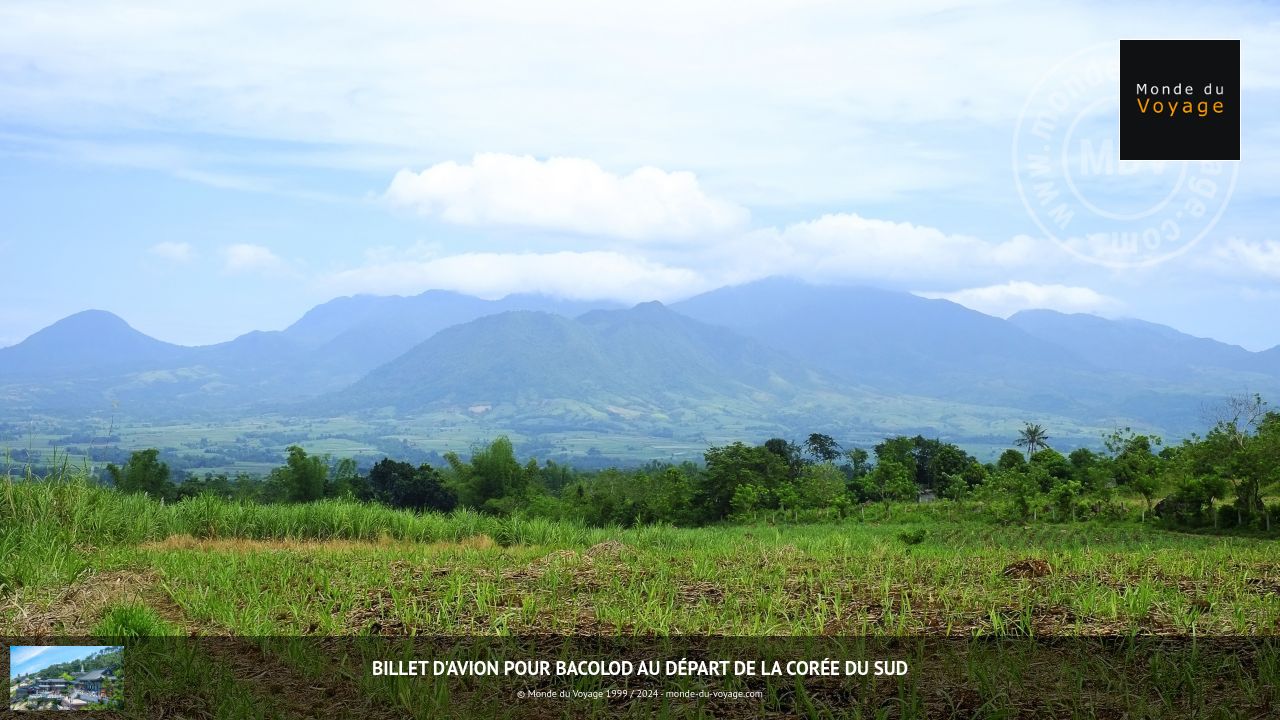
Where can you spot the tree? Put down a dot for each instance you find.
(1011, 460)
(822, 486)
(1019, 489)
(425, 490)
(1252, 432)
(1064, 498)
(347, 482)
(493, 481)
(385, 479)
(143, 473)
(1033, 437)
(859, 462)
(787, 497)
(954, 487)
(746, 501)
(893, 482)
(730, 466)
(937, 460)
(1135, 466)
(304, 477)
(789, 452)
(1192, 501)
(1054, 468)
(245, 487)
(1089, 469)
(823, 448)
(670, 496)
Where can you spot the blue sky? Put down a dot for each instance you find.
(24, 659)
(206, 169)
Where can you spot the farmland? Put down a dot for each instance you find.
(91, 561)
(336, 567)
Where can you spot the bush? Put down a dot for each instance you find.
(1227, 517)
(914, 536)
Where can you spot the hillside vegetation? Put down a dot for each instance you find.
(774, 354)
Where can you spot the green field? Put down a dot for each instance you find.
(84, 560)
(337, 567)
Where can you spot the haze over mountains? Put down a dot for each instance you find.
(770, 354)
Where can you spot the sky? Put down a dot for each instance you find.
(24, 659)
(206, 169)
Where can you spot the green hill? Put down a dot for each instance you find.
(645, 360)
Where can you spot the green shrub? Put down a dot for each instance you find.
(915, 536)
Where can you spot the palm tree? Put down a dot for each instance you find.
(1033, 437)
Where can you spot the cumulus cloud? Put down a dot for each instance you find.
(568, 194)
(574, 275)
(847, 246)
(244, 257)
(832, 248)
(179, 252)
(1008, 298)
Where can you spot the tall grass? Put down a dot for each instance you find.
(48, 527)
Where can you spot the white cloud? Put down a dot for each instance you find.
(1008, 298)
(808, 98)
(179, 252)
(28, 653)
(563, 193)
(847, 246)
(575, 275)
(244, 257)
(1237, 256)
(831, 248)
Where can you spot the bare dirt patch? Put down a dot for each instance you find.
(1027, 568)
(80, 605)
(608, 549)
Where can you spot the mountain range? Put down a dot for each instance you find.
(775, 355)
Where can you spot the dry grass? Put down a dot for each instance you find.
(247, 546)
(76, 608)
(1027, 568)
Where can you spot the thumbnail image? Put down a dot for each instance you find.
(66, 677)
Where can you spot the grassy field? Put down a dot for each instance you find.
(335, 567)
(88, 561)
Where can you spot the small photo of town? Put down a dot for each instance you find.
(66, 677)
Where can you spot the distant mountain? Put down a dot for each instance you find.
(894, 340)
(92, 343)
(376, 330)
(1095, 370)
(98, 359)
(643, 363)
(1137, 346)
(765, 356)
(328, 320)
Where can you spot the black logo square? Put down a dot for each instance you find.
(1179, 99)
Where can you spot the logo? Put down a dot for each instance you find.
(1180, 99)
(1075, 186)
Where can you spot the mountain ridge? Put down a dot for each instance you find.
(737, 349)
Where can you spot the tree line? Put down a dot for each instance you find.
(1215, 480)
